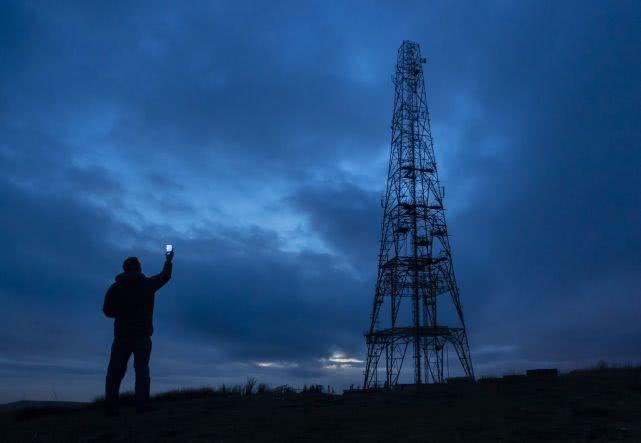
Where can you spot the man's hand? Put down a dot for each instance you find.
(169, 256)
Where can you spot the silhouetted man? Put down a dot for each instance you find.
(130, 301)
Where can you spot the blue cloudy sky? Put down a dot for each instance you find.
(254, 137)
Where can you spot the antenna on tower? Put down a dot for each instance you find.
(415, 271)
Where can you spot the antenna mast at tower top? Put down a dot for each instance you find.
(415, 271)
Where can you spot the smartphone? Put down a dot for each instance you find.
(169, 248)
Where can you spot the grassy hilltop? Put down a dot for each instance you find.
(591, 405)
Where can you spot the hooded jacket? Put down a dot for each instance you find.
(130, 301)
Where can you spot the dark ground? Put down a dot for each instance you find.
(587, 406)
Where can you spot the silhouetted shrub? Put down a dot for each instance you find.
(128, 398)
(248, 389)
(313, 388)
(605, 369)
(187, 394)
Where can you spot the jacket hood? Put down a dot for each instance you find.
(129, 277)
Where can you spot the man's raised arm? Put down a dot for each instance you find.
(159, 280)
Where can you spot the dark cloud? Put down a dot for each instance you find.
(347, 217)
(255, 140)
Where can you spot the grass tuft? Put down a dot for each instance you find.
(248, 389)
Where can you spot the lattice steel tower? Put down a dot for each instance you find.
(415, 261)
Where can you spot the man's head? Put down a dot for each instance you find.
(131, 265)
